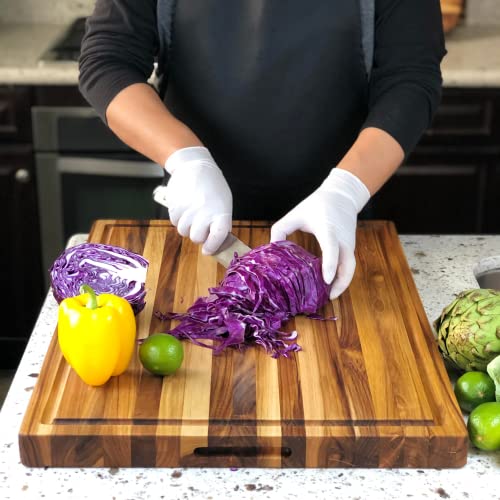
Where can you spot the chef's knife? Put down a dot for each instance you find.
(225, 253)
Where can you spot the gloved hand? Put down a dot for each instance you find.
(198, 198)
(330, 214)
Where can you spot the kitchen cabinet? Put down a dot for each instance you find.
(15, 123)
(433, 198)
(21, 290)
(21, 274)
(450, 183)
(492, 206)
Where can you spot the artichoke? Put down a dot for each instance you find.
(468, 329)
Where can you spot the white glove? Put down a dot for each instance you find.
(330, 214)
(198, 198)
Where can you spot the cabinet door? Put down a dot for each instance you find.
(466, 120)
(432, 199)
(15, 118)
(20, 273)
(492, 206)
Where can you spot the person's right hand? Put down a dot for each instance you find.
(198, 198)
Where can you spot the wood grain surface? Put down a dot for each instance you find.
(368, 390)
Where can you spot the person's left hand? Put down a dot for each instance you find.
(330, 214)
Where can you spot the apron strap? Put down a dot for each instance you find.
(165, 13)
(367, 8)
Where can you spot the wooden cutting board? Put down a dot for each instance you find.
(369, 389)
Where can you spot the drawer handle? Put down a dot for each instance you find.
(242, 451)
(23, 175)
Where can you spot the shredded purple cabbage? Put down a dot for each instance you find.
(106, 268)
(261, 290)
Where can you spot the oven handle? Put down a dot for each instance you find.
(109, 167)
(49, 167)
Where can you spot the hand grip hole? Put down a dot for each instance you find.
(242, 451)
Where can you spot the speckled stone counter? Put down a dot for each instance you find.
(441, 265)
(472, 59)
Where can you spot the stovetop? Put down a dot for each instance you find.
(67, 48)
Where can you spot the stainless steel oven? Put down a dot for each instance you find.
(84, 172)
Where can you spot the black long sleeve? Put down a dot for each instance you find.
(118, 49)
(405, 84)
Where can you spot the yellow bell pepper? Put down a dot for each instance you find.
(96, 334)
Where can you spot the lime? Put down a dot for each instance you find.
(161, 354)
(484, 426)
(473, 389)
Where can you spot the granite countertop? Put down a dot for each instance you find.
(22, 46)
(441, 265)
(471, 61)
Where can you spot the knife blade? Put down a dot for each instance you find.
(225, 253)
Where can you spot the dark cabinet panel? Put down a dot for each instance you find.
(468, 119)
(58, 95)
(21, 290)
(433, 199)
(15, 109)
(450, 183)
(492, 205)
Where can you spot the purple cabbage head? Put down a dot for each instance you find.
(261, 290)
(106, 268)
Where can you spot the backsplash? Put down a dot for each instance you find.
(44, 11)
(62, 11)
(482, 12)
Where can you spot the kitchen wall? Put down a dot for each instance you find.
(62, 11)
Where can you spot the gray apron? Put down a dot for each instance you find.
(277, 90)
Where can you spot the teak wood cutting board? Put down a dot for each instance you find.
(367, 390)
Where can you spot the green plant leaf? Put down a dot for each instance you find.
(493, 370)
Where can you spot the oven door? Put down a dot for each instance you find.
(73, 191)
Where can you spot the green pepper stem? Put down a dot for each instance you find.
(92, 302)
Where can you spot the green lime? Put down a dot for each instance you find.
(161, 354)
(473, 389)
(484, 426)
